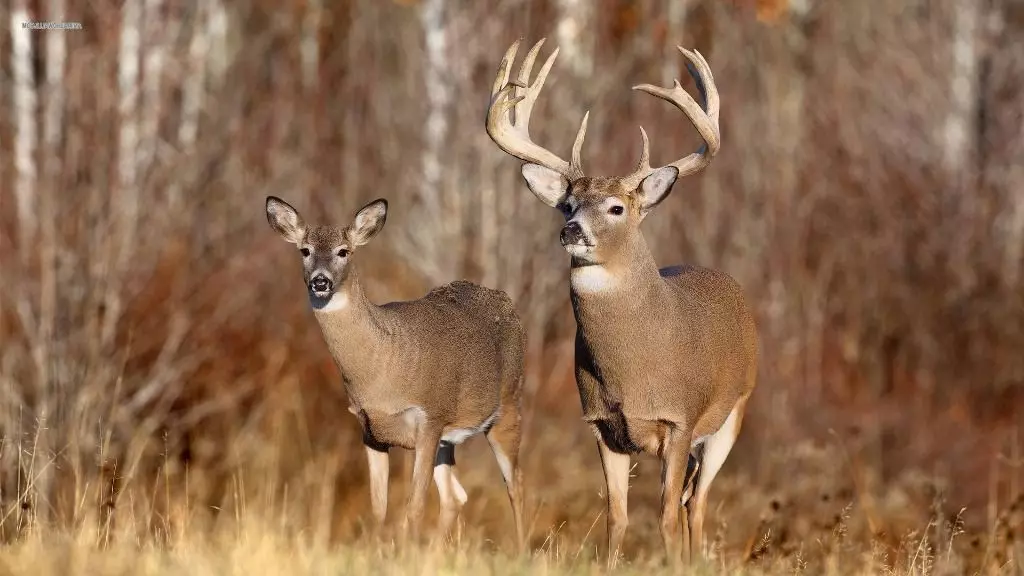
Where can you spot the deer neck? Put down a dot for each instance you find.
(623, 286)
(355, 331)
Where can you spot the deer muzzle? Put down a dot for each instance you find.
(320, 285)
(573, 235)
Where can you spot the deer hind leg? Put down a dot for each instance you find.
(504, 439)
(713, 453)
(451, 493)
(689, 483)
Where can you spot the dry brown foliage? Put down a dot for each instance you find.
(161, 376)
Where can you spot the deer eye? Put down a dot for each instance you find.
(305, 252)
(342, 253)
(616, 210)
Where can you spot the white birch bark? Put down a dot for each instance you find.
(310, 44)
(434, 240)
(958, 128)
(574, 17)
(192, 92)
(53, 116)
(56, 55)
(219, 53)
(128, 91)
(154, 55)
(125, 203)
(676, 13)
(25, 128)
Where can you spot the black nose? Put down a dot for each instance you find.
(320, 283)
(571, 233)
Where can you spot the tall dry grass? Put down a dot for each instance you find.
(165, 392)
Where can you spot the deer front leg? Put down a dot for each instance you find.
(675, 454)
(427, 441)
(379, 471)
(616, 476)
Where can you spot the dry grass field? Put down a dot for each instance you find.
(168, 406)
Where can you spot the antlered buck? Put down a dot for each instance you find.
(422, 375)
(665, 358)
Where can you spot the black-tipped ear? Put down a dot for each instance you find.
(656, 187)
(369, 220)
(285, 220)
(545, 183)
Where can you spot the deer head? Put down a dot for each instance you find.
(602, 214)
(326, 250)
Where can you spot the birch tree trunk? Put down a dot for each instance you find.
(310, 44)
(958, 129)
(192, 92)
(124, 205)
(574, 20)
(434, 239)
(156, 30)
(25, 136)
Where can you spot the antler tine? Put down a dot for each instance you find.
(521, 113)
(576, 164)
(643, 167)
(504, 68)
(704, 119)
(701, 73)
(513, 136)
(532, 91)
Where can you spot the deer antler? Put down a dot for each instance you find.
(512, 134)
(704, 119)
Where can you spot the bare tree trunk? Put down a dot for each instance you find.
(959, 125)
(220, 50)
(192, 92)
(25, 139)
(124, 205)
(676, 16)
(574, 19)
(310, 45)
(434, 241)
(156, 33)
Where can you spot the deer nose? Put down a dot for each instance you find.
(320, 283)
(572, 233)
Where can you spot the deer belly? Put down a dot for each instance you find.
(456, 435)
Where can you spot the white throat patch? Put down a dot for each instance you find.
(594, 278)
(338, 301)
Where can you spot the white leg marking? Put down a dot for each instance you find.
(503, 462)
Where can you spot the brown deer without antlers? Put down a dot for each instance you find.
(422, 375)
(665, 358)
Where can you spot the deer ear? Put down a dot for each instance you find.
(285, 220)
(369, 220)
(546, 184)
(656, 187)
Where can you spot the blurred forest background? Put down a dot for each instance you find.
(869, 197)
